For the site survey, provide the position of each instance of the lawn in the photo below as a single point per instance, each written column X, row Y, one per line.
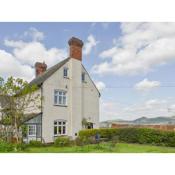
column 103, row 148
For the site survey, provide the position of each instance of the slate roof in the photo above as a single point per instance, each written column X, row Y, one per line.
column 41, row 78
column 30, row 116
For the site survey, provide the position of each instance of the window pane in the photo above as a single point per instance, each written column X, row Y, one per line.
column 65, row 72
column 83, row 76
column 55, row 122
column 55, row 100
column 60, row 99
column 59, row 129
column 64, row 130
column 64, row 123
column 59, row 123
column 55, row 130
column 64, row 100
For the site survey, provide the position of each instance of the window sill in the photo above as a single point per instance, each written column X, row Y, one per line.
column 31, row 135
column 66, row 77
column 60, row 105
column 60, row 135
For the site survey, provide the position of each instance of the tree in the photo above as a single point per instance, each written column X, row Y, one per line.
column 18, row 98
column 86, row 124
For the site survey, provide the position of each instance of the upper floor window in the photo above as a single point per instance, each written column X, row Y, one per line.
column 83, row 77
column 65, row 72
column 60, row 97
column 59, row 127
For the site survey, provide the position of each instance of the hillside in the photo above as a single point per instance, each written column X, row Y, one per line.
column 142, row 121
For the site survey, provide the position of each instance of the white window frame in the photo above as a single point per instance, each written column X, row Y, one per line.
column 34, row 129
column 60, row 125
column 60, row 94
column 65, row 68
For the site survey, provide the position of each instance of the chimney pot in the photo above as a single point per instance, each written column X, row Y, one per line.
column 75, row 45
column 40, row 68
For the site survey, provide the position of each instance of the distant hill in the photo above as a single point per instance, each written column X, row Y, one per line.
column 156, row 120
column 142, row 121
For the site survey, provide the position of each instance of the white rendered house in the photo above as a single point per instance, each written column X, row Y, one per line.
column 69, row 96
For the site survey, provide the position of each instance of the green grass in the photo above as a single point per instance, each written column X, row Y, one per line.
column 103, row 148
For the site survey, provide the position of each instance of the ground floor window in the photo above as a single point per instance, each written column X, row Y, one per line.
column 59, row 127
column 31, row 130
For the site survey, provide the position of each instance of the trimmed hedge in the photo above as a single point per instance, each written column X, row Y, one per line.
column 134, row 135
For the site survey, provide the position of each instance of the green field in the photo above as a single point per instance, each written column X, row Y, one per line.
column 103, row 148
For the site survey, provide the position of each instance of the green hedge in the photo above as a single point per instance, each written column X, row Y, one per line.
column 63, row 141
column 35, row 143
column 134, row 135
column 6, row 147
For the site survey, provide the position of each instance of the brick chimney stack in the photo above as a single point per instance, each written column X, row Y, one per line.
column 40, row 68
column 75, row 45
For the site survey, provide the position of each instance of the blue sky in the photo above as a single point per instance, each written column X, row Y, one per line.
column 131, row 63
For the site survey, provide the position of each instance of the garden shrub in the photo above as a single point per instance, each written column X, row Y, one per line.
column 81, row 141
column 6, row 147
column 63, row 141
column 21, row 146
column 35, row 143
column 133, row 135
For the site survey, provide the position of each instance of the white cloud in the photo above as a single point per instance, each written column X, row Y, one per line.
column 34, row 34
column 91, row 42
column 30, row 52
column 155, row 103
column 172, row 108
column 10, row 66
column 105, row 25
column 149, row 108
column 146, row 85
column 20, row 61
column 14, row 44
column 141, row 47
column 100, row 85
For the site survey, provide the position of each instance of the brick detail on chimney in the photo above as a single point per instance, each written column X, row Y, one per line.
column 40, row 68
column 75, row 48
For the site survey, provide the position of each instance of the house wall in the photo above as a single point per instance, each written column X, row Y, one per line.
column 90, row 101
column 82, row 101
column 75, row 96
column 52, row 112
